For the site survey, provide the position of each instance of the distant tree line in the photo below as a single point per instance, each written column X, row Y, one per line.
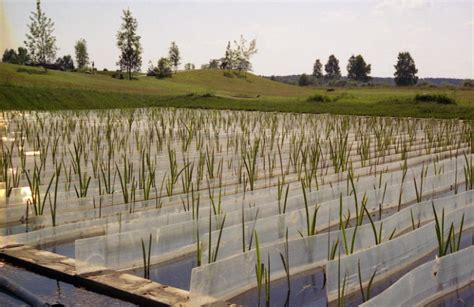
column 358, row 70
column 13, row 57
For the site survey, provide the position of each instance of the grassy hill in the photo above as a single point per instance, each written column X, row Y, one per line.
column 26, row 88
column 196, row 81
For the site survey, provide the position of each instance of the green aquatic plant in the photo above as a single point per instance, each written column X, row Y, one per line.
column 310, row 218
column 448, row 241
column 285, row 260
column 365, row 294
column 146, row 257
column 34, row 182
column 250, row 163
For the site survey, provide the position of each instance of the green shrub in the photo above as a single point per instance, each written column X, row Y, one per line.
column 468, row 83
column 437, row 98
column 31, row 71
column 343, row 95
column 319, row 98
column 207, row 95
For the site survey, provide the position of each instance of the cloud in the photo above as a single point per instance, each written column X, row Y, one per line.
column 400, row 5
column 338, row 16
column 418, row 29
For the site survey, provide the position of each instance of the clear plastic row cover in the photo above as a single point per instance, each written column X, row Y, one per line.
column 161, row 159
column 326, row 193
column 233, row 275
column 165, row 215
column 183, row 236
column 18, row 195
column 274, row 228
column 429, row 281
column 87, row 208
column 115, row 251
column 392, row 256
column 295, row 210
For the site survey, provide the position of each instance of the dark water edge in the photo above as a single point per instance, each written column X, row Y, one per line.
column 462, row 297
column 176, row 273
column 67, row 249
column 9, row 300
column 306, row 290
column 52, row 291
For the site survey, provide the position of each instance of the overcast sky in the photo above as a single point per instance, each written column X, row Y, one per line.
column 290, row 34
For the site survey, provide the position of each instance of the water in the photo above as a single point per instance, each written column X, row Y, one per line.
column 65, row 249
column 8, row 300
column 52, row 291
column 176, row 273
column 462, row 297
column 306, row 290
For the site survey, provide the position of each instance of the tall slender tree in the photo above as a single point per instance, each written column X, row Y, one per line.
column 174, row 56
column 40, row 40
column 405, row 70
column 82, row 56
column 317, row 69
column 332, row 69
column 128, row 42
column 228, row 60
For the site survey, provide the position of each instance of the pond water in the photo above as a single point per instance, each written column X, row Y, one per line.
column 66, row 249
column 462, row 297
column 176, row 273
column 52, row 291
column 306, row 290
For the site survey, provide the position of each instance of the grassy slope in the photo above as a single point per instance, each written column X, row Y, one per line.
column 198, row 81
column 65, row 90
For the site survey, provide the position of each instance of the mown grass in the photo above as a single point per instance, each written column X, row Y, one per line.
column 210, row 89
column 29, row 98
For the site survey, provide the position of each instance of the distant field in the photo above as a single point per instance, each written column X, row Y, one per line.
column 25, row 88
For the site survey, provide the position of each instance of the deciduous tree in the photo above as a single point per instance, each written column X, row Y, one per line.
column 40, row 40
column 304, row 80
column 163, row 70
column 357, row 69
column 65, row 62
column 228, row 60
column 128, row 42
column 332, row 69
column 405, row 70
column 174, row 56
column 82, row 56
column 317, row 69
column 243, row 51
column 10, row 56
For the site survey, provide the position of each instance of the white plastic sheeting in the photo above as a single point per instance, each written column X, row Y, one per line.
column 429, row 281
column 175, row 237
column 391, row 257
column 231, row 276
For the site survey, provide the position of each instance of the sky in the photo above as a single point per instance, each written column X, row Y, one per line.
column 290, row 34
